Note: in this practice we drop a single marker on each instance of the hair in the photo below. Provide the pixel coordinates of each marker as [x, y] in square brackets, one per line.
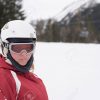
[32, 68]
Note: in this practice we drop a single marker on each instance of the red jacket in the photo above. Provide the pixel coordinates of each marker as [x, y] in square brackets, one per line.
[17, 86]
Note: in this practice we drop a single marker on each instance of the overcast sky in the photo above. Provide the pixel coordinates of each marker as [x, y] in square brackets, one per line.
[37, 9]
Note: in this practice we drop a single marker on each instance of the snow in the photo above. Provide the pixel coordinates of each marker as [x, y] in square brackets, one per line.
[73, 8]
[69, 71]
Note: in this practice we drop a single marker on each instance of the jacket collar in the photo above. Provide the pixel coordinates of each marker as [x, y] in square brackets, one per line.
[5, 64]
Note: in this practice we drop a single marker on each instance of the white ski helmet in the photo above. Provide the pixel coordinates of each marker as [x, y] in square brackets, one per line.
[17, 29]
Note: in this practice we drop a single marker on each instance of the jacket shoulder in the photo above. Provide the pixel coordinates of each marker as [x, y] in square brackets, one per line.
[4, 74]
[39, 80]
[6, 78]
[7, 84]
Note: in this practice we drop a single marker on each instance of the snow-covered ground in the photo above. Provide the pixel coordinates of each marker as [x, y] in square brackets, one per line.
[69, 71]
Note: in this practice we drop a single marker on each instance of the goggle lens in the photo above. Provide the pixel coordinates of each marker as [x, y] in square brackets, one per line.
[18, 47]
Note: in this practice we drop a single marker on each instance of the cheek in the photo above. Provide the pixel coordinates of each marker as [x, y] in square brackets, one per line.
[18, 56]
[22, 60]
[28, 56]
[14, 56]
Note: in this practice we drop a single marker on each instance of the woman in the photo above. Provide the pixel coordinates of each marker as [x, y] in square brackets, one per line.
[18, 41]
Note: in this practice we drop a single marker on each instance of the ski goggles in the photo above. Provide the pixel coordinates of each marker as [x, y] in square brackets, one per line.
[18, 47]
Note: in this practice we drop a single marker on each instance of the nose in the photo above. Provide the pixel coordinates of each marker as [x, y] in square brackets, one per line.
[23, 53]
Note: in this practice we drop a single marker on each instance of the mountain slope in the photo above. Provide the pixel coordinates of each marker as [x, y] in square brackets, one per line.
[70, 10]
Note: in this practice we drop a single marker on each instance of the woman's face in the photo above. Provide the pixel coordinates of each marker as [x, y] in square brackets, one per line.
[21, 52]
[21, 58]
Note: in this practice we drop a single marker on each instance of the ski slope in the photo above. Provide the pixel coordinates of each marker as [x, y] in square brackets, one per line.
[69, 71]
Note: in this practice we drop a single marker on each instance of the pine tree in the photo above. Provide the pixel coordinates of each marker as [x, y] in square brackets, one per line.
[10, 10]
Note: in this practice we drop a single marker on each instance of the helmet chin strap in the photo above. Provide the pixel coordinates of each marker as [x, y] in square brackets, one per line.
[19, 67]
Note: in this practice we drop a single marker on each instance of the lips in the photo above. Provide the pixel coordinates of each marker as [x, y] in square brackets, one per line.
[22, 61]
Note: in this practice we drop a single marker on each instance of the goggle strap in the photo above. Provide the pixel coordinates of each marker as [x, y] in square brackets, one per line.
[6, 45]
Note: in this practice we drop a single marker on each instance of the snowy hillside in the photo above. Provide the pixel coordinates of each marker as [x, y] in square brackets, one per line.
[69, 71]
[70, 10]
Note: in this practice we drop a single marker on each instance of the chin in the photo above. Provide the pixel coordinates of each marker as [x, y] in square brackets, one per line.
[23, 64]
